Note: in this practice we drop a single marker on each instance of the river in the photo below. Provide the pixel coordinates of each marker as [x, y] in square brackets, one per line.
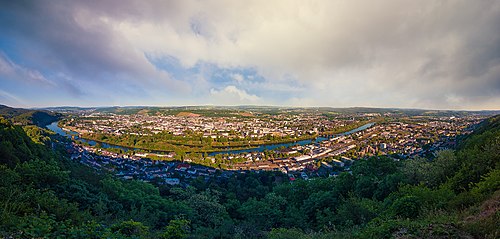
[72, 134]
[67, 133]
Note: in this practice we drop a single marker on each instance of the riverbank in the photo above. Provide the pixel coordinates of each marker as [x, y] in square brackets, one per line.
[229, 150]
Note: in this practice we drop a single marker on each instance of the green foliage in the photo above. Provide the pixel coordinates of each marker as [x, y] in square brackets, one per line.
[483, 220]
[431, 172]
[207, 211]
[260, 213]
[406, 207]
[357, 211]
[428, 199]
[292, 233]
[131, 229]
[42, 174]
[479, 154]
[489, 184]
[16, 146]
[176, 229]
[283, 233]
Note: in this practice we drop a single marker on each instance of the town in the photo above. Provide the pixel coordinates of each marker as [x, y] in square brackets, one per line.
[235, 126]
[328, 155]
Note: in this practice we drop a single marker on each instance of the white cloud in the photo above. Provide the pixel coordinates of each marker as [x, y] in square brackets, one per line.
[237, 77]
[409, 52]
[231, 95]
[12, 70]
[5, 66]
[301, 102]
[337, 53]
[10, 99]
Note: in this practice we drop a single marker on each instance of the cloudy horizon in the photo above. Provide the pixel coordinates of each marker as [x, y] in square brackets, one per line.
[390, 54]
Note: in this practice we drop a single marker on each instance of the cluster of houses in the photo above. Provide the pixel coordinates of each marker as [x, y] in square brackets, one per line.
[304, 162]
[326, 158]
[398, 139]
[145, 169]
[412, 138]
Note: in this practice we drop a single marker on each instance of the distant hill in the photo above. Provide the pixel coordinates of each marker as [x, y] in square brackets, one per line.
[208, 110]
[28, 116]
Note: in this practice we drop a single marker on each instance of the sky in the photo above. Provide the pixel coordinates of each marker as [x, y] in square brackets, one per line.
[429, 54]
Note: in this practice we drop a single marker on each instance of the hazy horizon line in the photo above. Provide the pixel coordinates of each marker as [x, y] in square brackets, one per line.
[249, 105]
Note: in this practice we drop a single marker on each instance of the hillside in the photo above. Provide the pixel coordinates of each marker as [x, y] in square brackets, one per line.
[43, 194]
[27, 117]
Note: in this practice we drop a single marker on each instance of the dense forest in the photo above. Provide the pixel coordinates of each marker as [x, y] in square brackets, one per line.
[43, 194]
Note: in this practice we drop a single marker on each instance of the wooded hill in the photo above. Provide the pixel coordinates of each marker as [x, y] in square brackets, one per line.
[28, 117]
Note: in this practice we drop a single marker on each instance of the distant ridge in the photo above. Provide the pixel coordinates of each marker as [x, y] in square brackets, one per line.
[27, 116]
[193, 108]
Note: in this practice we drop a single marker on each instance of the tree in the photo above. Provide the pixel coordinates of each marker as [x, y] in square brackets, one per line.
[431, 172]
[406, 207]
[283, 233]
[177, 229]
[258, 213]
[357, 211]
[208, 212]
[131, 228]
[365, 186]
